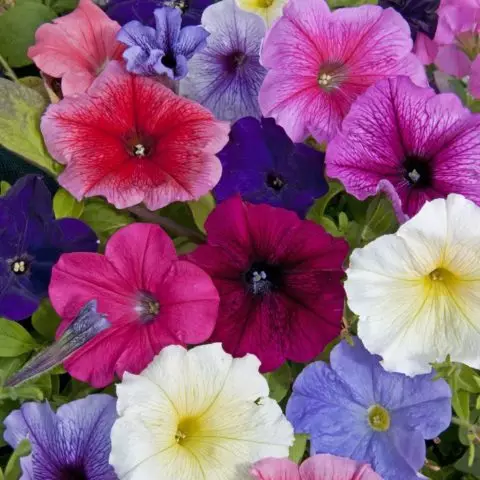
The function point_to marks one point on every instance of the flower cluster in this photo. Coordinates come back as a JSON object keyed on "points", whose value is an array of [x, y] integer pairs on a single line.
{"points": [[250, 247]]}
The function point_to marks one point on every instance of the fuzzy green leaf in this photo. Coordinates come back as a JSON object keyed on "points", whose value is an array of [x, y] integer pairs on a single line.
{"points": [[46, 320], [14, 339], [279, 382], [201, 209], [65, 205], [297, 450]]}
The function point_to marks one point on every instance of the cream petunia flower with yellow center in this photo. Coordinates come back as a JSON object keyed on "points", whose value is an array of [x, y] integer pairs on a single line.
{"points": [[417, 292], [196, 415], [269, 10]]}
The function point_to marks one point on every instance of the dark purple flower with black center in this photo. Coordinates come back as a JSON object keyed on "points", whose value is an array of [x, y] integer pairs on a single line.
{"points": [[421, 15], [163, 50], [263, 165], [31, 241], [124, 11], [71, 444]]}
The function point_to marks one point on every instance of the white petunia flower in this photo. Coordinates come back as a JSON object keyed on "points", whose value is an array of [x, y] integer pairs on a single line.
{"points": [[196, 415], [269, 10], [417, 292]]}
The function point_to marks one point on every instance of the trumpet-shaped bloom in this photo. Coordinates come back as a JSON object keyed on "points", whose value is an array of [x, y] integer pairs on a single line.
{"points": [[77, 46], [269, 10], [71, 444], [318, 467], [226, 76], [279, 279], [132, 140], [151, 299], [319, 62], [425, 145], [417, 291], [197, 414], [353, 408], [163, 50]]}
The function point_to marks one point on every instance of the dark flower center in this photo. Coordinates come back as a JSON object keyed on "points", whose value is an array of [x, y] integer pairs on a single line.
{"points": [[72, 473], [181, 4], [138, 146], [263, 277], [331, 75], [417, 171], [169, 60], [234, 61], [275, 181], [20, 266], [147, 307]]}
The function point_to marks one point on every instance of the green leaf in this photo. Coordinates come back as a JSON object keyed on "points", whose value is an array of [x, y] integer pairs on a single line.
{"points": [[65, 205], [63, 6], [13, 470], [464, 465], [201, 209], [4, 188], [297, 450], [14, 339], [17, 30], [35, 83], [20, 112], [46, 320], [317, 212], [183, 245], [461, 404], [279, 382], [104, 218], [380, 219]]}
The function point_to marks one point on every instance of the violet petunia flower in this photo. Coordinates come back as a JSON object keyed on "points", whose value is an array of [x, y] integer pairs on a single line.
{"points": [[124, 11], [226, 76], [31, 242], [73, 443], [425, 145], [354, 408], [263, 165], [163, 50]]}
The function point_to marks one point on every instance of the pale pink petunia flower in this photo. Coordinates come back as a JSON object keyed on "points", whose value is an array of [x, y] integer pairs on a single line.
{"points": [[318, 467], [319, 62], [77, 46]]}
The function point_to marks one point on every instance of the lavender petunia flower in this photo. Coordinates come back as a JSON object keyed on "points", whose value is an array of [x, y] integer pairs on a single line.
{"points": [[164, 49], [226, 76], [31, 241], [263, 165], [73, 443], [354, 408], [123, 11]]}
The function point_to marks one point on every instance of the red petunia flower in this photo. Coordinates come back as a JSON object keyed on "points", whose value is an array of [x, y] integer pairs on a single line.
{"points": [[279, 280], [132, 140]]}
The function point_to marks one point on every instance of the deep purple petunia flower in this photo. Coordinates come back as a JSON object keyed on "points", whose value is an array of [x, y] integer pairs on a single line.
{"points": [[73, 443], [354, 408], [31, 241], [263, 165], [226, 76], [425, 145], [164, 49], [124, 11]]}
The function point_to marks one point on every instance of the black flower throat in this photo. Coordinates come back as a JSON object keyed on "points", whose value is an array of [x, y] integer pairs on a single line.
{"points": [[263, 278], [417, 171]]}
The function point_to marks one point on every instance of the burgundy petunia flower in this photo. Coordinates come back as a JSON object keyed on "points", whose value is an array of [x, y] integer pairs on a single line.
{"points": [[425, 145], [279, 280], [132, 140]]}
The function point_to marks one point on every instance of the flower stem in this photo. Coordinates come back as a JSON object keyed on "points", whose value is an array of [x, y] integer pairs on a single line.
{"points": [[173, 227], [8, 70]]}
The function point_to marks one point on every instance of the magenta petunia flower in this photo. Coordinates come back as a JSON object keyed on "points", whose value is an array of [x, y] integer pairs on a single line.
{"points": [[150, 298], [279, 280], [320, 61], [425, 145]]}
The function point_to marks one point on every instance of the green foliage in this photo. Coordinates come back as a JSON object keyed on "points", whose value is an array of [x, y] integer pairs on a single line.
{"points": [[279, 382], [14, 339], [65, 205], [201, 209], [46, 320], [4, 188], [12, 470], [297, 450], [17, 30]]}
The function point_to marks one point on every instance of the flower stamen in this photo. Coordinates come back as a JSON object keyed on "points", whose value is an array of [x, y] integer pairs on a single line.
{"points": [[378, 418]]}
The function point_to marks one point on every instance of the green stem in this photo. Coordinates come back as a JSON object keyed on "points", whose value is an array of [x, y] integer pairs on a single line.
{"points": [[8, 70]]}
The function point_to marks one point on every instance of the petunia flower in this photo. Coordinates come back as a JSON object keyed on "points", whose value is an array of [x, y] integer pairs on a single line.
{"points": [[342, 54], [279, 280], [76, 47], [196, 414], [163, 50], [262, 164], [131, 140], [269, 10], [31, 243], [226, 76], [124, 11], [416, 292], [318, 467], [73, 443], [353, 408], [425, 145], [151, 299]]}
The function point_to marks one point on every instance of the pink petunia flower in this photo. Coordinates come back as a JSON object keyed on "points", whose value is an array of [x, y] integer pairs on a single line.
{"points": [[320, 61], [426, 145], [151, 299], [318, 467], [77, 47], [279, 280], [131, 140]]}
